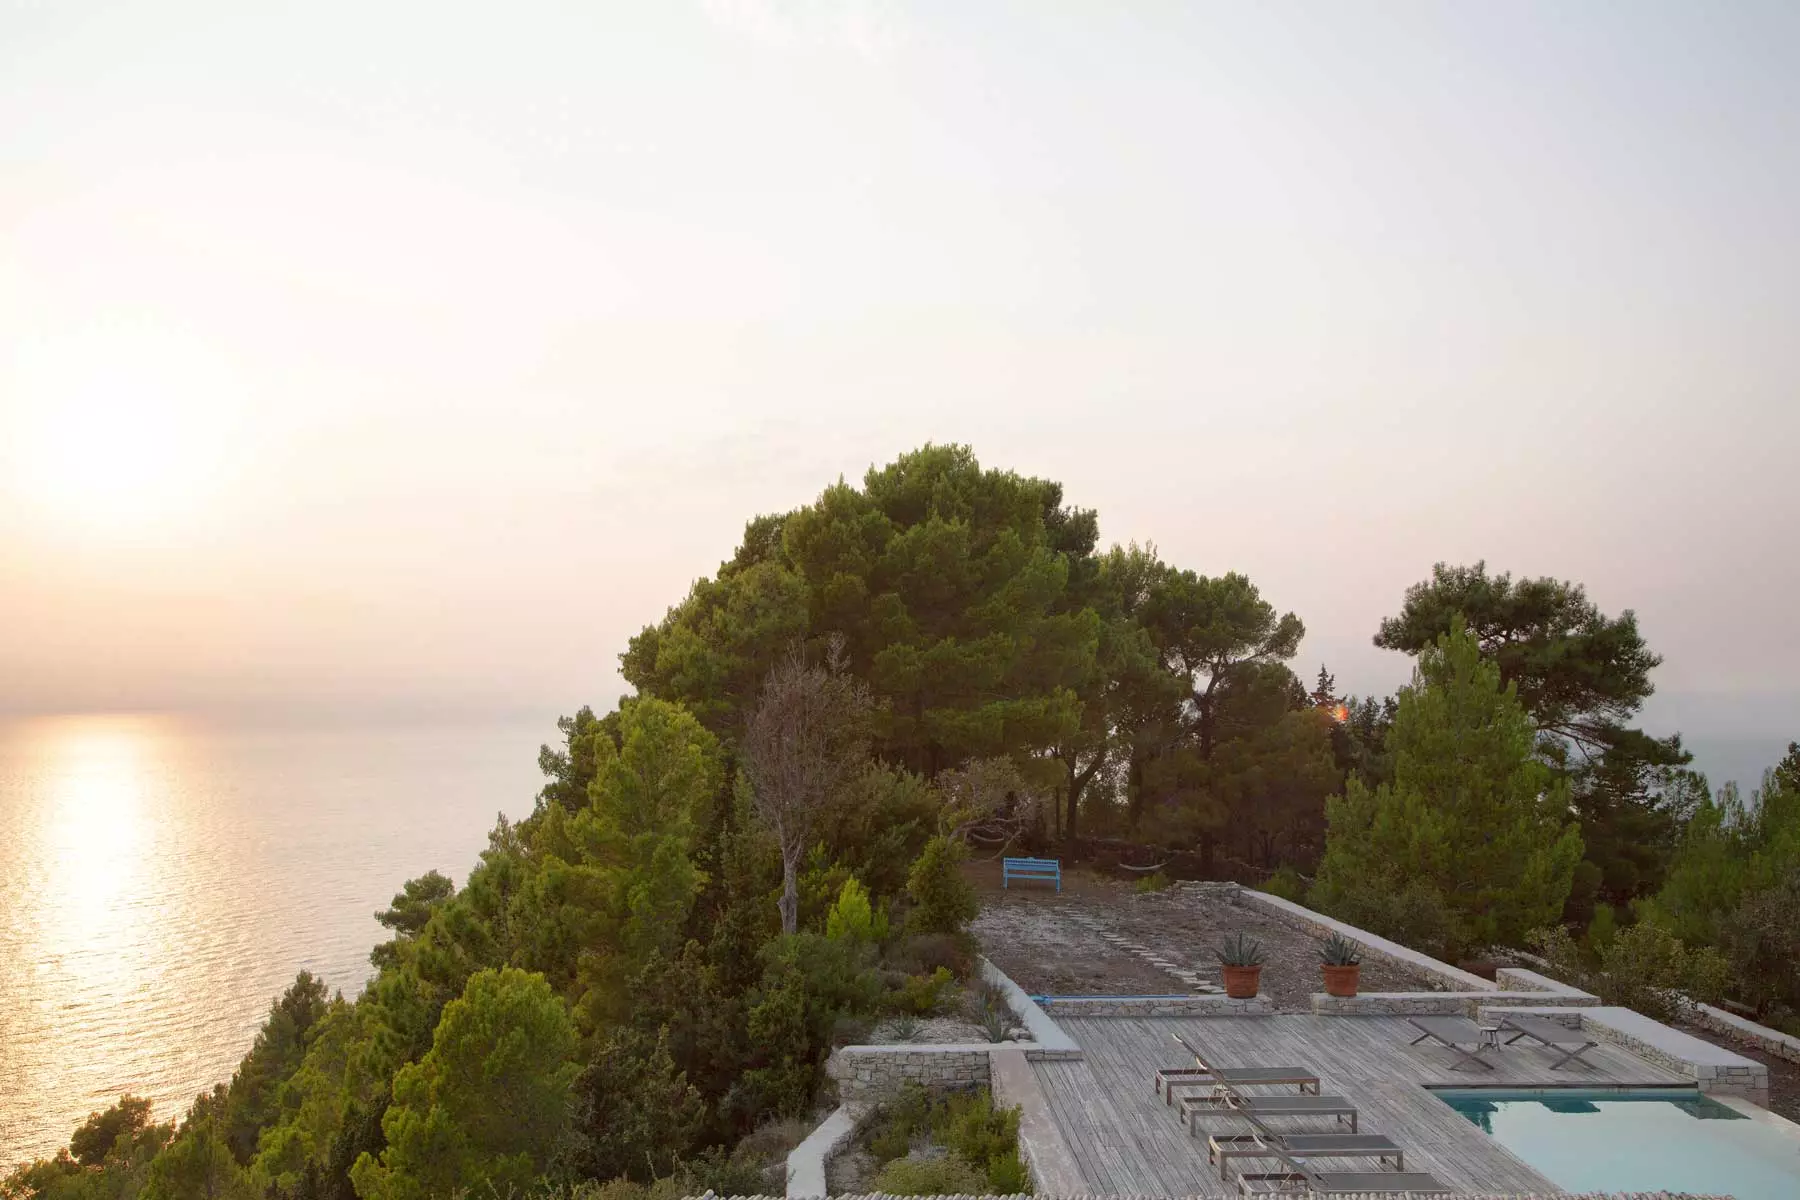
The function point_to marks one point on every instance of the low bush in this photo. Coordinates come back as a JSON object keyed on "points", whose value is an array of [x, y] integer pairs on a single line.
{"points": [[980, 1137], [854, 916], [1645, 967], [922, 995], [1287, 884], [772, 1141], [1156, 881], [945, 1176], [724, 1174], [904, 1118], [985, 1136], [923, 953]]}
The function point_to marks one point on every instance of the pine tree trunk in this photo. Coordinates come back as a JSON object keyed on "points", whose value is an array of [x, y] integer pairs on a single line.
{"points": [[790, 892]]}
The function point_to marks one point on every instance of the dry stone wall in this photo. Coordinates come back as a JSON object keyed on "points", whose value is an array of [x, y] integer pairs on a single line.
{"points": [[1158, 1006], [1769, 1041], [868, 1074]]}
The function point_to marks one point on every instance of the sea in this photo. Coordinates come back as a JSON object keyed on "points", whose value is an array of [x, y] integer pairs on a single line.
{"points": [[163, 878]]}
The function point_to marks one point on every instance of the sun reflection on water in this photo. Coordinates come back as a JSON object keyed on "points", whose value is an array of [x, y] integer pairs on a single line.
{"points": [[163, 878], [96, 826]]}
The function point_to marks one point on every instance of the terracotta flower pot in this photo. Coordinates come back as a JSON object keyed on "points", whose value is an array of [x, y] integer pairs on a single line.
{"points": [[1242, 983], [1342, 981]]}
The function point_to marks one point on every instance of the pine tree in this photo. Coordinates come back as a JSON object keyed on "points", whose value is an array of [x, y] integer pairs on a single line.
{"points": [[1324, 693], [1470, 844]]}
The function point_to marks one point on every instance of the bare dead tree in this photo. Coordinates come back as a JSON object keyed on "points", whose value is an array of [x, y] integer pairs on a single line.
{"points": [[806, 742]]}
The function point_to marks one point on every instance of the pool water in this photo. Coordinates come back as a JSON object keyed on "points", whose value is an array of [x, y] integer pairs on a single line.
{"points": [[1643, 1141]]}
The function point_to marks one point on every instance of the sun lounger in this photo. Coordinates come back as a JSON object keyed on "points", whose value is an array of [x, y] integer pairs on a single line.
{"points": [[1322, 1183], [1553, 1035], [1226, 1100], [1297, 1174], [1221, 1148], [1202, 1074], [1453, 1033]]}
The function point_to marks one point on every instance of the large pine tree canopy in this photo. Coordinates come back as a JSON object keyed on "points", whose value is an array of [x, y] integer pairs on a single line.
{"points": [[764, 847]]}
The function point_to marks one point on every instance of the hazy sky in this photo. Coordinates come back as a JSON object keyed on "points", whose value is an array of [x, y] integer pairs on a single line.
{"points": [[398, 355]]}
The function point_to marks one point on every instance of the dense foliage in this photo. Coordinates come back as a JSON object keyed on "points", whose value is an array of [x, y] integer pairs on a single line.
{"points": [[1470, 844], [764, 849], [979, 1144]]}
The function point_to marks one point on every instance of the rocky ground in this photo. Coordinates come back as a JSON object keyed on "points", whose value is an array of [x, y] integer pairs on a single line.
{"points": [[1059, 945]]}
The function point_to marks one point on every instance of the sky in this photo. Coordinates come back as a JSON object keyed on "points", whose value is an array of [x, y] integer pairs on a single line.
{"points": [[408, 358]]}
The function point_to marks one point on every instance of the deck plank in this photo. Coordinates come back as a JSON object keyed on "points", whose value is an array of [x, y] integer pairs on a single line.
{"points": [[1128, 1142]]}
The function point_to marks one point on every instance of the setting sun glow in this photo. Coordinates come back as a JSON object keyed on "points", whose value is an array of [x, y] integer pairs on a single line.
{"points": [[121, 433]]}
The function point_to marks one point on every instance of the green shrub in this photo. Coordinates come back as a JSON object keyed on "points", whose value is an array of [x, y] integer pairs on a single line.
{"points": [[902, 1119], [943, 901], [985, 1136], [1645, 967], [1287, 884], [772, 1141], [1602, 928], [946, 1176], [854, 917], [1156, 881], [923, 953], [923, 994], [724, 1174]]}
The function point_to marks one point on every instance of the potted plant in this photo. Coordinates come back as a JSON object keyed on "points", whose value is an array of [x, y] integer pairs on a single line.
{"points": [[1341, 960], [1241, 960]]}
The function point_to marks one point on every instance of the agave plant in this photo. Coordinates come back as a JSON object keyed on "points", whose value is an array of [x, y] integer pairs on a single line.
{"points": [[1340, 951], [1239, 950]]}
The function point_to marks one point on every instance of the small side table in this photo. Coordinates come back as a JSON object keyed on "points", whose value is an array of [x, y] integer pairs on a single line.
{"points": [[1490, 1037]]}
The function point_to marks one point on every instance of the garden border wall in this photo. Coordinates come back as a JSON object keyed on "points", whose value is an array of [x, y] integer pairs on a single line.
{"points": [[1769, 1041]]}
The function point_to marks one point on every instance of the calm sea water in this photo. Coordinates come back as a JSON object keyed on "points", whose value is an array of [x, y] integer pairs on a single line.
{"points": [[162, 879]]}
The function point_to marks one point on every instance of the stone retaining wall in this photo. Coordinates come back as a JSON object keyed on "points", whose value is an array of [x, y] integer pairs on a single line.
{"points": [[1420, 1004], [1159, 1006], [867, 1074], [1769, 1041]]}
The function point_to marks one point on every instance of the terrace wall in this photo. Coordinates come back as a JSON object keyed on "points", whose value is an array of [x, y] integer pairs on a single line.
{"points": [[1158, 1006], [1770, 1041], [866, 1074]]}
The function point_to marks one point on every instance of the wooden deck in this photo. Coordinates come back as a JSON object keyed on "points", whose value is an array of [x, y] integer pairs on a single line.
{"points": [[1128, 1142]]}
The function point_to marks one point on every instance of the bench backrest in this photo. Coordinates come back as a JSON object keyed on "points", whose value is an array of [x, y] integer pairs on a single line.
{"points": [[1033, 864]]}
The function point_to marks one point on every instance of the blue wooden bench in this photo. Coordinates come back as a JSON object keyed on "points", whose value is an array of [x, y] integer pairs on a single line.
{"points": [[1031, 868]]}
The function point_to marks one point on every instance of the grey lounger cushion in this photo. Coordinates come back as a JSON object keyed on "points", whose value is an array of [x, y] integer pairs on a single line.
{"points": [[1344, 1181], [1270, 1106]]}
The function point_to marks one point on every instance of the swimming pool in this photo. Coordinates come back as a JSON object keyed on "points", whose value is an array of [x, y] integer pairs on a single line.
{"points": [[1674, 1140]]}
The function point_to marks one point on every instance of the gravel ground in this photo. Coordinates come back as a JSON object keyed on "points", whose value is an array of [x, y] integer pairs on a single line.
{"points": [[1052, 944]]}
